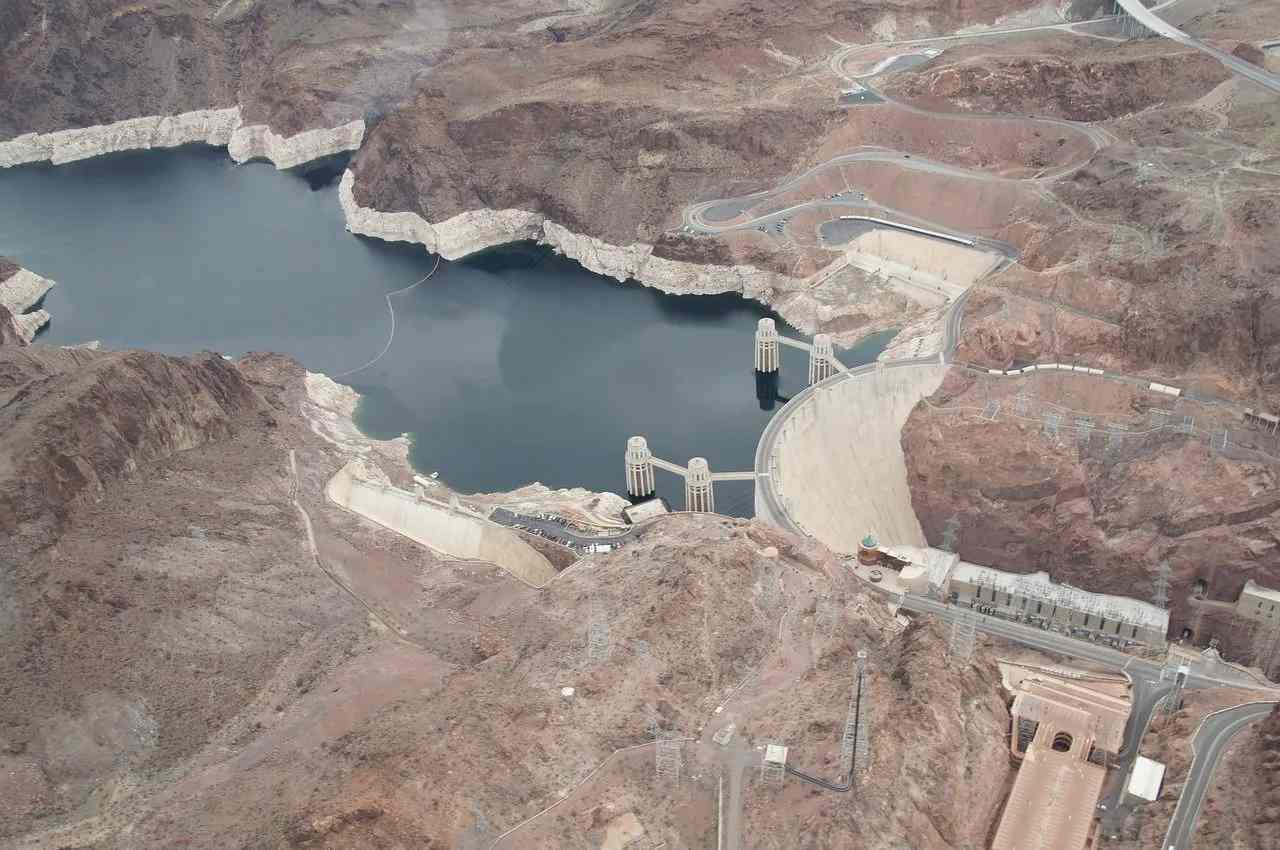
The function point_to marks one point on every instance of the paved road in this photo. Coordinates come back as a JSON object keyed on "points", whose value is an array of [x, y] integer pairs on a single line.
{"points": [[1201, 676], [1210, 741], [1146, 696], [1155, 23]]}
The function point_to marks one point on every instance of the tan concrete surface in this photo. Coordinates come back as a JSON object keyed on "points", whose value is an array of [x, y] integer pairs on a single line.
{"points": [[437, 526], [1052, 802], [934, 266], [840, 468]]}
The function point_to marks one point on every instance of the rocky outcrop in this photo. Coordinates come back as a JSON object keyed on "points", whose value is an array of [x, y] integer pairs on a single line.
{"points": [[20, 291], [453, 238], [218, 127], [257, 141], [208, 126]]}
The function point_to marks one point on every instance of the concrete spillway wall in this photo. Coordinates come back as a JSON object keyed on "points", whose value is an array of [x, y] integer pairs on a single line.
{"points": [[837, 465], [439, 527]]}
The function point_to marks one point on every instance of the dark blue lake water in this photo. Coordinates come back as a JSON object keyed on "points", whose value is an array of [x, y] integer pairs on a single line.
{"points": [[510, 367]]}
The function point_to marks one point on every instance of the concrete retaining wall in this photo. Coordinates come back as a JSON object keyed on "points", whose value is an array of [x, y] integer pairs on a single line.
{"points": [[439, 527]]}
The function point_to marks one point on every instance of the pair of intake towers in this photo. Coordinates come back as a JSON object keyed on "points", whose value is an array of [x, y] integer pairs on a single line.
{"points": [[699, 489]]}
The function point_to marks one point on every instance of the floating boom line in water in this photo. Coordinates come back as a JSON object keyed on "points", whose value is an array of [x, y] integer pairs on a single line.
{"points": [[392, 310]]}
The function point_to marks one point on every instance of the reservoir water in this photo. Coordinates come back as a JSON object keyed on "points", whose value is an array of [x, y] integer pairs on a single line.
{"points": [[510, 367]]}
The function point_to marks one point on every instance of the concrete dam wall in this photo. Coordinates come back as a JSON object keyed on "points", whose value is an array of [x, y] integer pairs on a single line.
{"points": [[439, 527], [838, 469]]}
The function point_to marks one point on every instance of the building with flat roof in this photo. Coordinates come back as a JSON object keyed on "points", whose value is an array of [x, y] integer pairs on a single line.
{"points": [[1064, 731], [1052, 801], [1034, 598], [1031, 598], [1095, 717], [1259, 604], [1146, 779], [646, 510]]}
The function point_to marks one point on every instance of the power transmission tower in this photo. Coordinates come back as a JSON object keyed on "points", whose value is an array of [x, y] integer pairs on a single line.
{"points": [[1115, 436], [597, 636], [950, 533], [1160, 586], [1219, 441], [862, 733], [964, 634], [1084, 430], [851, 743], [668, 758]]}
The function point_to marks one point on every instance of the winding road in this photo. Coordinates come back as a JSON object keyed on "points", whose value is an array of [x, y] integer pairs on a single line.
{"points": [[1149, 19], [1211, 740]]}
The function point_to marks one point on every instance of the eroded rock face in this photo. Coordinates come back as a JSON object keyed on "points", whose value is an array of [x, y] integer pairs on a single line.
{"points": [[469, 232], [1097, 517], [1059, 86], [76, 420]]}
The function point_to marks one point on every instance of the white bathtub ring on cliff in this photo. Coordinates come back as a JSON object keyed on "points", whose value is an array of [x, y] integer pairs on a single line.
{"points": [[392, 310]]}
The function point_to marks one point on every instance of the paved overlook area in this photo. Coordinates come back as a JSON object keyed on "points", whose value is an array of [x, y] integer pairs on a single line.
{"points": [[230, 619]]}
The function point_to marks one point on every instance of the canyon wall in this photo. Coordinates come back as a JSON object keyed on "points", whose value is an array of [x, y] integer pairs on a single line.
{"points": [[219, 127], [476, 230], [1098, 508]]}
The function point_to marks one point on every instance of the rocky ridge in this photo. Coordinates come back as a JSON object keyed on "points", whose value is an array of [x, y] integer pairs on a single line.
{"points": [[75, 420]]}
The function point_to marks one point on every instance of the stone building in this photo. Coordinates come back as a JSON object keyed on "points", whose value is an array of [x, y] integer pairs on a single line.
{"points": [[1259, 604]]}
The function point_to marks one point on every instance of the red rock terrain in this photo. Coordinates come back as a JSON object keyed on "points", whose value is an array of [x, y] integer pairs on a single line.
{"points": [[179, 670], [1162, 266]]}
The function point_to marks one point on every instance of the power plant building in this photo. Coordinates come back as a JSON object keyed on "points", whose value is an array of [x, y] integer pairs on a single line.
{"points": [[1031, 598]]}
